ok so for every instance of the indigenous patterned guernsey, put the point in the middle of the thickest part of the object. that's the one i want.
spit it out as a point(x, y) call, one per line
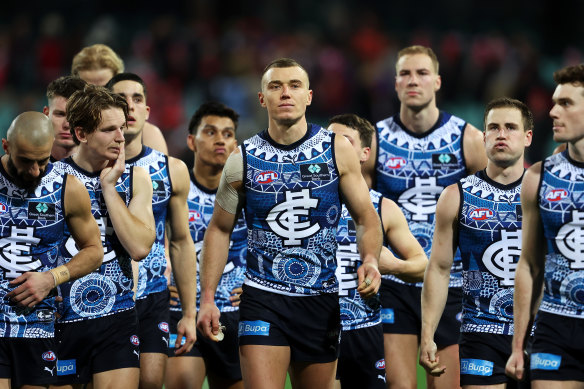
point(413, 169)
point(561, 206)
point(201, 202)
point(292, 210)
point(489, 238)
point(31, 232)
point(107, 290)
point(355, 312)
point(151, 276)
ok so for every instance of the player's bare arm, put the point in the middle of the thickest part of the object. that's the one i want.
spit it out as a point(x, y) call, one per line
point(34, 286)
point(182, 254)
point(435, 289)
point(153, 138)
point(473, 145)
point(412, 261)
point(134, 224)
point(356, 196)
point(529, 273)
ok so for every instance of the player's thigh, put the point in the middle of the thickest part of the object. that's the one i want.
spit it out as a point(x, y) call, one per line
point(401, 356)
point(451, 378)
point(152, 369)
point(264, 366)
point(185, 372)
point(127, 378)
point(545, 384)
point(306, 375)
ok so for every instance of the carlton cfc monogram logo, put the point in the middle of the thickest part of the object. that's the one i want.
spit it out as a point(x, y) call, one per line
point(421, 199)
point(570, 240)
point(501, 257)
point(289, 220)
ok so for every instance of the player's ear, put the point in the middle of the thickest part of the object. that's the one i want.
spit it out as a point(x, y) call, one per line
point(261, 98)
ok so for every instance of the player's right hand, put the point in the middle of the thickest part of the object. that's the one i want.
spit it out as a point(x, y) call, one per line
point(208, 320)
point(515, 365)
point(429, 360)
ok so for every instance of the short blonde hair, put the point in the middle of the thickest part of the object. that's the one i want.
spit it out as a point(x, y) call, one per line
point(417, 49)
point(94, 57)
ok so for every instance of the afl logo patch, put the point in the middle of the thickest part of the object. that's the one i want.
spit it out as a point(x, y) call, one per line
point(396, 163)
point(481, 214)
point(3, 208)
point(380, 364)
point(556, 195)
point(49, 356)
point(163, 326)
point(134, 340)
point(194, 215)
point(266, 177)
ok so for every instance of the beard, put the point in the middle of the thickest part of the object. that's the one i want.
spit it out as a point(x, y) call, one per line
point(29, 184)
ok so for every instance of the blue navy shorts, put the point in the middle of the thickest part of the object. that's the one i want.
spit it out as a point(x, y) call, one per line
point(28, 361)
point(401, 312)
point(483, 358)
point(557, 353)
point(87, 347)
point(153, 317)
point(221, 358)
point(309, 325)
point(361, 360)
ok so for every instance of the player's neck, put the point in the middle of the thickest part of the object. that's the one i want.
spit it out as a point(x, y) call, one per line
point(58, 153)
point(419, 121)
point(505, 174)
point(206, 175)
point(85, 159)
point(133, 147)
point(286, 135)
point(576, 150)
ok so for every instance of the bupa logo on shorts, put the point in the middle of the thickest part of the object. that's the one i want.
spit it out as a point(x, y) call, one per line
point(3, 207)
point(314, 172)
point(444, 161)
point(545, 361)
point(135, 340)
point(481, 214)
point(41, 211)
point(476, 367)
point(66, 367)
point(556, 195)
point(380, 365)
point(194, 215)
point(163, 326)
point(256, 327)
point(49, 356)
point(387, 316)
point(172, 340)
point(266, 177)
point(396, 163)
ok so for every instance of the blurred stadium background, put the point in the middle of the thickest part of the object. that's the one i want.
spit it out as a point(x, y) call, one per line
point(192, 51)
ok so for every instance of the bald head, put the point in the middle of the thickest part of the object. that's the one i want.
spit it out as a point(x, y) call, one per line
point(35, 128)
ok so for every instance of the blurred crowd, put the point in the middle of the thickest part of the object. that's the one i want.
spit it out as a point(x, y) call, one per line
point(195, 51)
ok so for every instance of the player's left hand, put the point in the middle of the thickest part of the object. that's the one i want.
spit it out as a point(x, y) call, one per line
point(113, 171)
point(187, 327)
point(32, 288)
point(369, 279)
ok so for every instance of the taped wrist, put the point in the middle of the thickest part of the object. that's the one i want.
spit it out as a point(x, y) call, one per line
point(60, 274)
point(227, 197)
